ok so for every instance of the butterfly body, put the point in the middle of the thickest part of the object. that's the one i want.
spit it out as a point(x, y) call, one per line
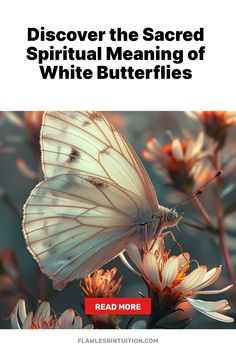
point(96, 198)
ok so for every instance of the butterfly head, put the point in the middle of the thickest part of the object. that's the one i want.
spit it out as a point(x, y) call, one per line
point(169, 217)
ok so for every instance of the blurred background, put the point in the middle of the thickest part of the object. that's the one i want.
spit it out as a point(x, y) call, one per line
point(20, 170)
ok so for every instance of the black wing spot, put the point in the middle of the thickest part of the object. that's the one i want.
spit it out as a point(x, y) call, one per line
point(85, 123)
point(98, 183)
point(74, 155)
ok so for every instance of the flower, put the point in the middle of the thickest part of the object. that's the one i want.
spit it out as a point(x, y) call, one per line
point(166, 276)
point(216, 123)
point(182, 160)
point(43, 319)
point(101, 284)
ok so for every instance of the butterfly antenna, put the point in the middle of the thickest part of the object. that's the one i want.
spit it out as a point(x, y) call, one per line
point(177, 243)
point(198, 191)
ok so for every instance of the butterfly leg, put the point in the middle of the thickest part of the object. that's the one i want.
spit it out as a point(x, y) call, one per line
point(169, 233)
point(155, 237)
point(146, 236)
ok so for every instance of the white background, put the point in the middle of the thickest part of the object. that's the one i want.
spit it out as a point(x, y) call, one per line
point(212, 85)
point(211, 88)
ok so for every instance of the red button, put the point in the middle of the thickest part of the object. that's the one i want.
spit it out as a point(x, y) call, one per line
point(117, 306)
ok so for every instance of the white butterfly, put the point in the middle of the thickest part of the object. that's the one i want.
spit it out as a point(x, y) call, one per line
point(96, 198)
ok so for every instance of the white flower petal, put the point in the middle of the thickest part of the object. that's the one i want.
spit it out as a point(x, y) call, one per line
point(208, 305)
point(176, 149)
point(28, 322)
point(14, 321)
point(150, 269)
point(183, 259)
point(192, 280)
point(77, 323)
point(192, 114)
point(194, 147)
point(89, 326)
point(153, 145)
point(149, 156)
point(210, 277)
point(198, 144)
point(134, 254)
point(19, 312)
point(127, 264)
point(22, 310)
point(65, 321)
point(169, 272)
point(158, 246)
point(217, 316)
point(43, 312)
point(189, 151)
point(212, 292)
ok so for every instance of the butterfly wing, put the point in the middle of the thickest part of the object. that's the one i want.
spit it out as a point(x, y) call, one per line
point(88, 143)
point(75, 224)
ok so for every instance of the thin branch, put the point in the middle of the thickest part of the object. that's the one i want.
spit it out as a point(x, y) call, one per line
point(198, 205)
point(221, 227)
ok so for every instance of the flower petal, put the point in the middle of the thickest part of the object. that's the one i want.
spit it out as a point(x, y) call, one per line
point(43, 312)
point(208, 305)
point(210, 277)
point(194, 147)
point(212, 292)
point(134, 255)
point(218, 316)
point(154, 146)
point(28, 322)
point(19, 312)
point(192, 280)
point(78, 323)
point(169, 271)
point(89, 326)
point(189, 150)
point(14, 321)
point(150, 269)
point(192, 114)
point(183, 259)
point(65, 321)
point(176, 149)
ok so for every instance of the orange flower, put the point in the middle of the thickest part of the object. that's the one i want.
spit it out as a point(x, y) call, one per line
point(183, 160)
point(216, 123)
point(167, 277)
point(101, 284)
point(43, 319)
